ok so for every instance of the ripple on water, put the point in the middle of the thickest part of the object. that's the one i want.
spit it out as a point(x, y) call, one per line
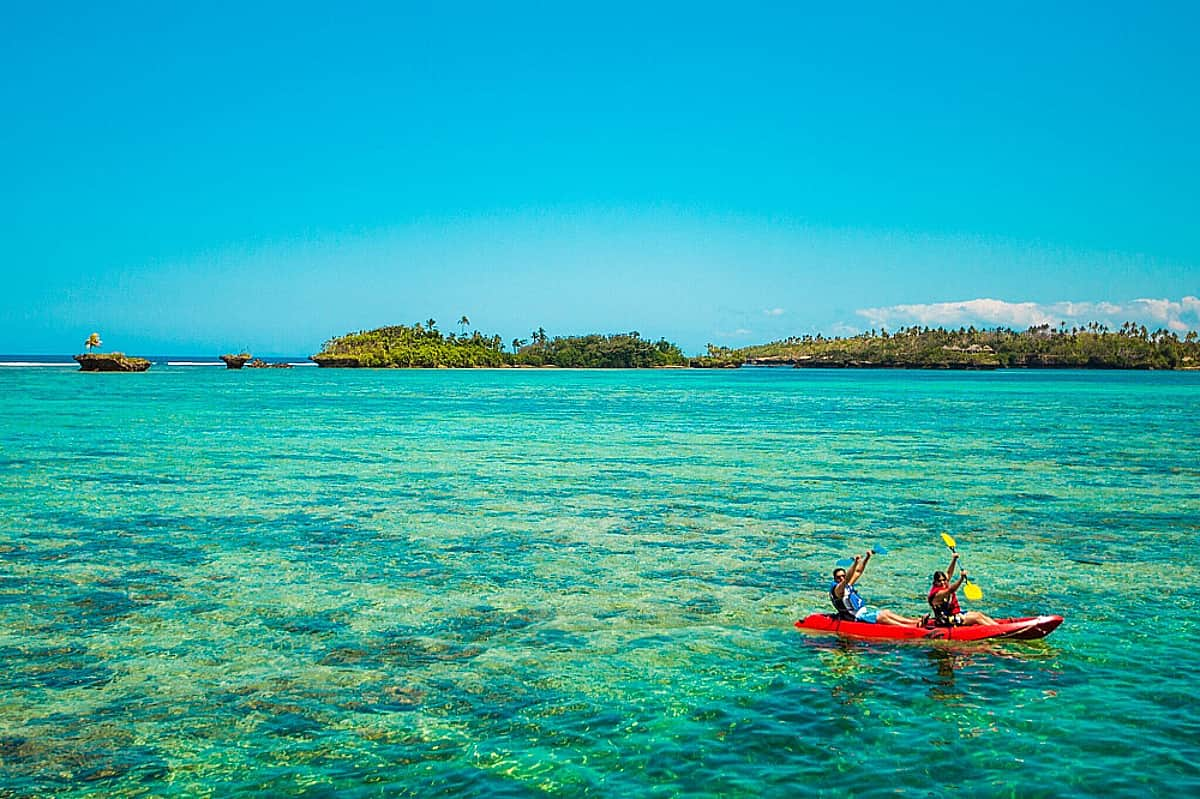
point(53, 754)
point(52, 667)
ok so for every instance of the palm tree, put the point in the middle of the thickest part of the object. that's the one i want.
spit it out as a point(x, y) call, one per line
point(463, 323)
point(92, 341)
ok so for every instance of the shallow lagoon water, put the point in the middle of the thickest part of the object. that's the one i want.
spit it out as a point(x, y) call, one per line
point(526, 583)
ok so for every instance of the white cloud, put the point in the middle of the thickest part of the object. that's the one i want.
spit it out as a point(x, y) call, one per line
point(1179, 316)
point(773, 312)
point(738, 333)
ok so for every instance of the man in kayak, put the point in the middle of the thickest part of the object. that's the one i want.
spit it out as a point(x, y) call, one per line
point(852, 607)
point(944, 600)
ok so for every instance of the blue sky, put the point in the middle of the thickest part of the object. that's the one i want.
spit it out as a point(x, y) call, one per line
point(265, 176)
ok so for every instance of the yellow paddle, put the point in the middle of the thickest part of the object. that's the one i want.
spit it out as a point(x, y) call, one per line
point(970, 590)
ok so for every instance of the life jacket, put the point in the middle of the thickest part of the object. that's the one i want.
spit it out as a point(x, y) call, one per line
point(849, 604)
point(945, 611)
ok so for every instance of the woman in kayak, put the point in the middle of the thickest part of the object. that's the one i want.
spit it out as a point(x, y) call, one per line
point(944, 600)
point(852, 607)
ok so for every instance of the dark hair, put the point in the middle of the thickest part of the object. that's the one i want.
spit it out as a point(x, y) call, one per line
point(939, 575)
point(838, 569)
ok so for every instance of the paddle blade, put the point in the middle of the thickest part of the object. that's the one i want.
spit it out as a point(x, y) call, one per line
point(880, 550)
point(949, 541)
point(845, 562)
point(972, 592)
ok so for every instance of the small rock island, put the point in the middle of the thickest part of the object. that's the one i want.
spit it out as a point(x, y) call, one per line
point(111, 362)
point(236, 361)
point(247, 360)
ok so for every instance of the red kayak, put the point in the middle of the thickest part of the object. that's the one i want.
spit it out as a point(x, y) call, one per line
point(1025, 629)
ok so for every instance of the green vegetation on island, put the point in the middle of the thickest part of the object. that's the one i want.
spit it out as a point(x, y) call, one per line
point(1093, 346)
point(423, 345)
point(594, 351)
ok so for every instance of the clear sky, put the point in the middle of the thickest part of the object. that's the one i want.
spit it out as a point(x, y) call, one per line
point(265, 176)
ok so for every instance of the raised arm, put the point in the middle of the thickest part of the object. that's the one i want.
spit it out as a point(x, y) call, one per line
point(860, 566)
point(853, 573)
point(839, 588)
point(950, 569)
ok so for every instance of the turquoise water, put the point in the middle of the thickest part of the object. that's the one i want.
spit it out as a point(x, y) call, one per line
point(546, 583)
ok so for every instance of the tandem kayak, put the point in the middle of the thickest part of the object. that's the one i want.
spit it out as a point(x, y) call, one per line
point(1025, 629)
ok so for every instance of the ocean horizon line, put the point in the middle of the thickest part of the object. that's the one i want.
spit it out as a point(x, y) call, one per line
point(57, 359)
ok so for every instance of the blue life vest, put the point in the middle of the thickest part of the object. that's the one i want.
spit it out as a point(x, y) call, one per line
point(849, 604)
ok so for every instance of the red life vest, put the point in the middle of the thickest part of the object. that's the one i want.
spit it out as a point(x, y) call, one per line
point(949, 605)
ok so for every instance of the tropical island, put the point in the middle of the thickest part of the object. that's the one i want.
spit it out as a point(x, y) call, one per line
point(1094, 346)
point(423, 345)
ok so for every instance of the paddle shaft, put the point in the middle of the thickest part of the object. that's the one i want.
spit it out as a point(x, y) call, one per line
point(845, 562)
point(971, 591)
